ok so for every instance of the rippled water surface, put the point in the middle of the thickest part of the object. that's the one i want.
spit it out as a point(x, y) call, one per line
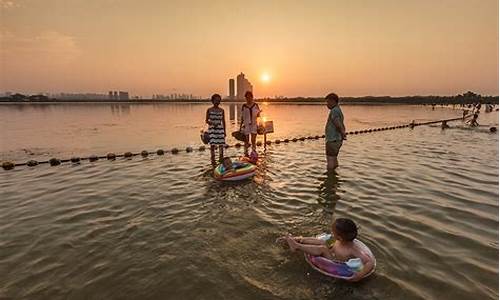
point(161, 227)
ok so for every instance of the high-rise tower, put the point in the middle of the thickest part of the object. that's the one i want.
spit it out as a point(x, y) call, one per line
point(231, 89)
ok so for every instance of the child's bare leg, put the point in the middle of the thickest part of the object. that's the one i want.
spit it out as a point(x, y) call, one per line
point(221, 152)
point(317, 250)
point(254, 138)
point(302, 240)
point(311, 241)
point(247, 144)
point(212, 152)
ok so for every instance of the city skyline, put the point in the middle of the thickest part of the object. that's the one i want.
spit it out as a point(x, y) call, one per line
point(286, 48)
point(243, 85)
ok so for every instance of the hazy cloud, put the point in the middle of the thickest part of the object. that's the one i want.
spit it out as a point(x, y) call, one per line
point(40, 61)
point(7, 4)
point(46, 47)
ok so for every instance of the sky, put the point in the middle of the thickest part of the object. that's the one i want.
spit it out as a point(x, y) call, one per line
point(305, 48)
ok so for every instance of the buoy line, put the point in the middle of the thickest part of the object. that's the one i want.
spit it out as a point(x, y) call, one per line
point(8, 165)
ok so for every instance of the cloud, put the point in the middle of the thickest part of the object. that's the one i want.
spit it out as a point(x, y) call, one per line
point(7, 4)
point(41, 61)
point(48, 47)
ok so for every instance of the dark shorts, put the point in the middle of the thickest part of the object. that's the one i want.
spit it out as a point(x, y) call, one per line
point(333, 148)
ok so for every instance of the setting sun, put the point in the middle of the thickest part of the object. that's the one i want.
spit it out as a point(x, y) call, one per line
point(265, 77)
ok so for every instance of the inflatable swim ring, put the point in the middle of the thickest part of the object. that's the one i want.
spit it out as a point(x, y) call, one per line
point(338, 269)
point(241, 170)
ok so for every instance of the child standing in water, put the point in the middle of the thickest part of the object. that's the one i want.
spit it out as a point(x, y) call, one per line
point(250, 111)
point(343, 249)
point(216, 127)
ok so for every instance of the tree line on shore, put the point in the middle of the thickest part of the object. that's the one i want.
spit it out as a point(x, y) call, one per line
point(466, 98)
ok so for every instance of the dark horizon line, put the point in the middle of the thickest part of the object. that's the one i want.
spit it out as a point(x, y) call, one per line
point(266, 98)
point(459, 99)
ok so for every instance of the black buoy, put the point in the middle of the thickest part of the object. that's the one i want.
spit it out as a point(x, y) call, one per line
point(174, 151)
point(202, 148)
point(237, 145)
point(277, 141)
point(269, 143)
point(160, 152)
point(294, 139)
point(129, 154)
point(493, 129)
point(7, 165)
point(259, 143)
point(54, 162)
point(323, 136)
point(31, 163)
point(356, 132)
point(144, 153)
point(316, 137)
point(75, 160)
point(286, 140)
point(189, 149)
point(111, 156)
point(302, 139)
point(93, 158)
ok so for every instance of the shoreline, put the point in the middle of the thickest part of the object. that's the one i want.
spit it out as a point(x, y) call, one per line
point(381, 101)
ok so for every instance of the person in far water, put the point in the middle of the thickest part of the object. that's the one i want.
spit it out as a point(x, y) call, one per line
point(216, 127)
point(250, 111)
point(334, 131)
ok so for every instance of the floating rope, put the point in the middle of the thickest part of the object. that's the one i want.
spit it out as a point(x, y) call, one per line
point(8, 165)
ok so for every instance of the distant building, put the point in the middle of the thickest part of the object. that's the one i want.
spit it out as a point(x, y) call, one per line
point(231, 89)
point(38, 97)
point(80, 96)
point(115, 95)
point(110, 95)
point(242, 86)
point(123, 95)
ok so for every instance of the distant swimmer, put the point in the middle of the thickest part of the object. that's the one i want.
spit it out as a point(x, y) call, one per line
point(464, 113)
point(444, 125)
point(473, 122)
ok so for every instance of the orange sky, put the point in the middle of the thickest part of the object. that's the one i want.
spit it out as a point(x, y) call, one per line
point(384, 47)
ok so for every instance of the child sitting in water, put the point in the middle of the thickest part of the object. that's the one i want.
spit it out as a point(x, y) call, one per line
point(227, 163)
point(345, 231)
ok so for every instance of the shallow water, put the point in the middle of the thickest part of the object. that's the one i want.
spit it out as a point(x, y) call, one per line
point(426, 201)
point(42, 131)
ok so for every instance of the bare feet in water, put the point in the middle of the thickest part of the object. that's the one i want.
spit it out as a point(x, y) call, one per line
point(292, 243)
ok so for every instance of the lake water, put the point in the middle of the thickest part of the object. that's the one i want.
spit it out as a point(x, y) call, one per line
point(426, 202)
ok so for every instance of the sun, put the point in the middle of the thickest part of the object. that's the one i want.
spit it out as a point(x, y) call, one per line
point(265, 77)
